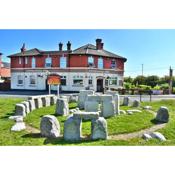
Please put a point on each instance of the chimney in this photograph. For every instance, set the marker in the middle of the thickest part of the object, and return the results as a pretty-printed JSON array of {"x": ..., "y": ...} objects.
[
  {"x": 99, "y": 44},
  {"x": 60, "y": 46},
  {"x": 23, "y": 48},
  {"x": 69, "y": 46}
]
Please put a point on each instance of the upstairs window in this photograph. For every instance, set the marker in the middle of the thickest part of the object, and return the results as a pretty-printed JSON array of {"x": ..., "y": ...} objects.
[
  {"x": 48, "y": 62},
  {"x": 33, "y": 62},
  {"x": 20, "y": 79},
  {"x": 113, "y": 64},
  {"x": 26, "y": 60},
  {"x": 90, "y": 61},
  {"x": 63, "y": 63},
  {"x": 100, "y": 63},
  {"x": 20, "y": 60}
]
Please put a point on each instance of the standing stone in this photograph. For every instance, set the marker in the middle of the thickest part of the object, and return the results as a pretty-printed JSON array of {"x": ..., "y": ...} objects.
[
  {"x": 99, "y": 129},
  {"x": 117, "y": 103},
  {"x": 53, "y": 100},
  {"x": 50, "y": 126},
  {"x": 162, "y": 114},
  {"x": 91, "y": 106},
  {"x": 108, "y": 109},
  {"x": 20, "y": 109},
  {"x": 27, "y": 107},
  {"x": 126, "y": 101},
  {"x": 136, "y": 103},
  {"x": 72, "y": 129},
  {"x": 62, "y": 107},
  {"x": 32, "y": 105},
  {"x": 38, "y": 102},
  {"x": 82, "y": 97},
  {"x": 18, "y": 126}
]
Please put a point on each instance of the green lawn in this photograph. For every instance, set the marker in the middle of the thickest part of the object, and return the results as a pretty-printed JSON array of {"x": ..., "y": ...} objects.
[{"x": 116, "y": 125}]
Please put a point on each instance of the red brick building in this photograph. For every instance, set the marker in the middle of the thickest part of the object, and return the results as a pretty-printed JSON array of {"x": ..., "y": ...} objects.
[
  {"x": 89, "y": 66},
  {"x": 4, "y": 69}
]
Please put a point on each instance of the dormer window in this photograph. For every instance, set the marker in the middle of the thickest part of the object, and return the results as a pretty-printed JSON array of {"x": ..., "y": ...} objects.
[
  {"x": 90, "y": 61},
  {"x": 113, "y": 64},
  {"x": 48, "y": 62}
]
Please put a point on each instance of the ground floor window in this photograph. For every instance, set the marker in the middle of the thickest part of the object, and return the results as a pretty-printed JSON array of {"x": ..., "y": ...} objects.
[
  {"x": 78, "y": 80},
  {"x": 63, "y": 80},
  {"x": 111, "y": 81},
  {"x": 20, "y": 79},
  {"x": 32, "y": 80},
  {"x": 90, "y": 81}
]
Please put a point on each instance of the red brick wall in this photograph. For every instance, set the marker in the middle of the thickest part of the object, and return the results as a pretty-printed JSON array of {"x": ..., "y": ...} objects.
[
  {"x": 78, "y": 61},
  {"x": 5, "y": 72}
]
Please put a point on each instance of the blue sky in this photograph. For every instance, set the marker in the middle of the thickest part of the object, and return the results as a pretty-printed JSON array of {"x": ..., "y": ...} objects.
[{"x": 155, "y": 49}]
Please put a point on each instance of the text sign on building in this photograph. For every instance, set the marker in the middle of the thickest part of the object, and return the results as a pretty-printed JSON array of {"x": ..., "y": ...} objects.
[{"x": 53, "y": 80}]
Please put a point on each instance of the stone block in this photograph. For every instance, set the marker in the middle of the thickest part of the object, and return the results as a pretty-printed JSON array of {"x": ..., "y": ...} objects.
[
  {"x": 38, "y": 103},
  {"x": 50, "y": 126},
  {"x": 99, "y": 129},
  {"x": 86, "y": 115},
  {"x": 32, "y": 105},
  {"x": 91, "y": 106},
  {"x": 18, "y": 126},
  {"x": 136, "y": 103},
  {"x": 72, "y": 129},
  {"x": 62, "y": 107},
  {"x": 126, "y": 101},
  {"x": 106, "y": 98},
  {"x": 162, "y": 114},
  {"x": 53, "y": 100},
  {"x": 108, "y": 109},
  {"x": 20, "y": 109},
  {"x": 94, "y": 98},
  {"x": 27, "y": 106}
]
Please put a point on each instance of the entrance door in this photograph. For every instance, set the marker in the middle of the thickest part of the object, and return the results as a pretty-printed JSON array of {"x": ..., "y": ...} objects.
[{"x": 99, "y": 85}]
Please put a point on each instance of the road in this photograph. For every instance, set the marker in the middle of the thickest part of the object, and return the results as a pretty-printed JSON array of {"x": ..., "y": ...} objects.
[{"x": 26, "y": 94}]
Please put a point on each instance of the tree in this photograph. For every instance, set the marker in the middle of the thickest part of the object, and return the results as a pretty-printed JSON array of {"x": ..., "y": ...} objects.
[
  {"x": 128, "y": 80},
  {"x": 152, "y": 80},
  {"x": 139, "y": 80}
]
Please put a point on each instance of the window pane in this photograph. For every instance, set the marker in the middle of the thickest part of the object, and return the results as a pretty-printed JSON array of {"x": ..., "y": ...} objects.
[
  {"x": 63, "y": 63},
  {"x": 100, "y": 63},
  {"x": 48, "y": 62},
  {"x": 20, "y": 79},
  {"x": 78, "y": 82},
  {"x": 32, "y": 79},
  {"x": 63, "y": 82},
  {"x": 33, "y": 62},
  {"x": 90, "y": 61},
  {"x": 113, "y": 64}
]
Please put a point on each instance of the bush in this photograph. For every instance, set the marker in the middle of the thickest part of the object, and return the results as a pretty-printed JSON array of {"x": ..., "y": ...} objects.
[
  {"x": 144, "y": 87},
  {"x": 156, "y": 87},
  {"x": 164, "y": 86}
]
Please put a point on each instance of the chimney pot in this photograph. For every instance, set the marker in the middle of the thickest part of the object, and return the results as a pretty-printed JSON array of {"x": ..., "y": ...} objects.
[
  {"x": 69, "y": 46},
  {"x": 99, "y": 44},
  {"x": 23, "y": 48},
  {"x": 60, "y": 46}
]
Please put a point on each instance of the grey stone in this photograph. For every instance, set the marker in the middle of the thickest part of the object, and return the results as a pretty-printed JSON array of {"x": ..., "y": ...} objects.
[
  {"x": 62, "y": 107},
  {"x": 162, "y": 114},
  {"x": 53, "y": 100},
  {"x": 130, "y": 113},
  {"x": 146, "y": 136},
  {"x": 122, "y": 112},
  {"x": 50, "y": 126},
  {"x": 27, "y": 107},
  {"x": 72, "y": 129},
  {"x": 82, "y": 97},
  {"x": 133, "y": 111},
  {"x": 108, "y": 109},
  {"x": 18, "y": 126},
  {"x": 126, "y": 101},
  {"x": 73, "y": 98},
  {"x": 38, "y": 103},
  {"x": 158, "y": 135},
  {"x": 116, "y": 99},
  {"x": 99, "y": 129},
  {"x": 86, "y": 115},
  {"x": 91, "y": 106},
  {"x": 136, "y": 103},
  {"x": 15, "y": 117},
  {"x": 106, "y": 98},
  {"x": 20, "y": 109},
  {"x": 94, "y": 98},
  {"x": 147, "y": 107},
  {"x": 32, "y": 105}
]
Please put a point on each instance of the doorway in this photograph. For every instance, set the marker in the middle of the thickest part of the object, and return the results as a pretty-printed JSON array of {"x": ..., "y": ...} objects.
[{"x": 99, "y": 85}]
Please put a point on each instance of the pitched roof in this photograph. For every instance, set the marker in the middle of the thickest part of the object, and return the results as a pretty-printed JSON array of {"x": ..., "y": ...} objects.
[
  {"x": 34, "y": 52},
  {"x": 91, "y": 50}
]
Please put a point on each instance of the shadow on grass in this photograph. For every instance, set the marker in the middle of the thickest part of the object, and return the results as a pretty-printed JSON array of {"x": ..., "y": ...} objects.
[
  {"x": 8, "y": 115},
  {"x": 154, "y": 121},
  {"x": 32, "y": 135},
  {"x": 60, "y": 140}
]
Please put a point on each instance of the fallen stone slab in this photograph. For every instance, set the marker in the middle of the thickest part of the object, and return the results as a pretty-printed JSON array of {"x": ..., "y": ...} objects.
[
  {"x": 146, "y": 136},
  {"x": 122, "y": 112},
  {"x": 133, "y": 111},
  {"x": 162, "y": 114},
  {"x": 72, "y": 128},
  {"x": 18, "y": 126},
  {"x": 15, "y": 117},
  {"x": 50, "y": 126},
  {"x": 129, "y": 113},
  {"x": 158, "y": 135},
  {"x": 20, "y": 109},
  {"x": 99, "y": 129}
]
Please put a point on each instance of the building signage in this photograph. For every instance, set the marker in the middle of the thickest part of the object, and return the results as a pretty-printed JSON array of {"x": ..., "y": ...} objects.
[{"x": 53, "y": 80}]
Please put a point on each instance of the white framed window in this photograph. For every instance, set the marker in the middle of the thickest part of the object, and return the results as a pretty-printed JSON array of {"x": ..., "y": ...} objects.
[
  {"x": 26, "y": 60},
  {"x": 113, "y": 81},
  {"x": 48, "y": 62},
  {"x": 63, "y": 62},
  {"x": 20, "y": 60},
  {"x": 63, "y": 80},
  {"x": 32, "y": 80},
  {"x": 90, "y": 61},
  {"x": 77, "y": 80},
  {"x": 100, "y": 63},
  {"x": 20, "y": 80},
  {"x": 33, "y": 62},
  {"x": 113, "y": 64}
]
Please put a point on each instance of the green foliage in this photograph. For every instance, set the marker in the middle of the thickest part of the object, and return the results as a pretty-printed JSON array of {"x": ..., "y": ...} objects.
[
  {"x": 151, "y": 80},
  {"x": 156, "y": 87},
  {"x": 144, "y": 87},
  {"x": 164, "y": 86}
]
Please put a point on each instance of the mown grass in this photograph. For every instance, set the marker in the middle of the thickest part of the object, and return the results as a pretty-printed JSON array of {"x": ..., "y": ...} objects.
[{"x": 116, "y": 125}]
